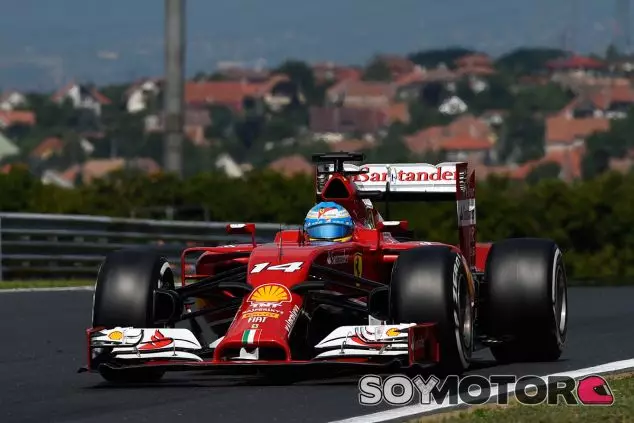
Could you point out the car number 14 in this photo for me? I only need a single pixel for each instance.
(286, 267)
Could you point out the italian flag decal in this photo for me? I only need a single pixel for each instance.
(249, 336)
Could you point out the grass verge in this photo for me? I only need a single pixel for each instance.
(45, 284)
(622, 411)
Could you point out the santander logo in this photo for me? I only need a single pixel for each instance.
(437, 174)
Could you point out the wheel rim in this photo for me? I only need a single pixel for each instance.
(466, 318)
(561, 302)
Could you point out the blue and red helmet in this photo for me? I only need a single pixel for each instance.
(329, 222)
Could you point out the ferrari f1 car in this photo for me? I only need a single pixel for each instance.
(380, 300)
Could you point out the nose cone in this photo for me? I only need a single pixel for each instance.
(262, 325)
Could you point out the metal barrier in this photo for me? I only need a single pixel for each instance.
(49, 246)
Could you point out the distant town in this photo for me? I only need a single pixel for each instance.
(527, 115)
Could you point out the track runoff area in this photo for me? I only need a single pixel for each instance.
(418, 396)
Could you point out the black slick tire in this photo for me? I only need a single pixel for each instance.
(124, 297)
(527, 309)
(430, 285)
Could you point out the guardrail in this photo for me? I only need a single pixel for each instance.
(49, 246)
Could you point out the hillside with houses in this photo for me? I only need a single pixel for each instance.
(527, 115)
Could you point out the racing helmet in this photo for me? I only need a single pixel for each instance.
(328, 222)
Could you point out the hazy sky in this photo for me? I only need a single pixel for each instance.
(44, 43)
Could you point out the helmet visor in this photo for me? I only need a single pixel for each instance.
(329, 231)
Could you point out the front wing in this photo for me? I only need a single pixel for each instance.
(397, 346)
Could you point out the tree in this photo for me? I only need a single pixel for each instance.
(548, 170)
(612, 53)
(527, 60)
(544, 98)
(302, 75)
(432, 58)
(222, 121)
(594, 163)
(50, 115)
(377, 70)
(497, 95)
(522, 137)
(589, 220)
(423, 116)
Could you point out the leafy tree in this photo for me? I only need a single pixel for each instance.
(527, 60)
(612, 53)
(544, 99)
(377, 70)
(222, 121)
(595, 162)
(302, 75)
(589, 219)
(423, 116)
(548, 170)
(50, 115)
(522, 137)
(116, 93)
(432, 58)
(497, 95)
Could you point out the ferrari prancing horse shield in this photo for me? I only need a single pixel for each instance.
(358, 264)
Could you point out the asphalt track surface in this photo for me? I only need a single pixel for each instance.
(42, 346)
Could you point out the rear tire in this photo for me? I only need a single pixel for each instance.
(124, 296)
(423, 289)
(528, 304)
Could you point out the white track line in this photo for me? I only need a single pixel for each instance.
(51, 289)
(413, 411)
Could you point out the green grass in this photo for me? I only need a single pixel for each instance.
(45, 283)
(622, 411)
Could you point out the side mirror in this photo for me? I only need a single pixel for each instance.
(242, 229)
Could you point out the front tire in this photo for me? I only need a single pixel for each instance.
(430, 285)
(124, 297)
(528, 302)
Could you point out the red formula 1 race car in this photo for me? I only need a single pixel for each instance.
(376, 299)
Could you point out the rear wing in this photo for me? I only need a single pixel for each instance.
(404, 182)
(449, 181)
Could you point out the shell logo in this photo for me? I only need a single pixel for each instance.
(116, 335)
(270, 293)
(393, 332)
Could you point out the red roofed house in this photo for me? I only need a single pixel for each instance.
(360, 94)
(9, 118)
(474, 62)
(47, 148)
(276, 92)
(347, 120)
(397, 65)
(97, 169)
(329, 72)
(564, 133)
(575, 65)
(292, 165)
(610, 102)
(10, 100)
(351, 146)
(233, 71)
(82, 97)
(409, 87)
(194, 125)
(466, 138)
(467, 148)
(475, 67)
(140, 92)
